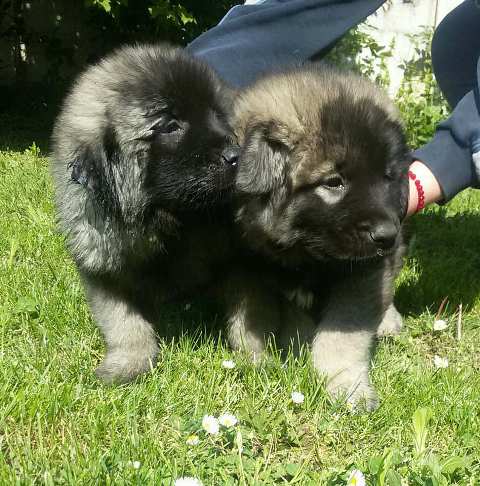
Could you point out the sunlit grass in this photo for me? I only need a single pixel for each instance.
(59, 425)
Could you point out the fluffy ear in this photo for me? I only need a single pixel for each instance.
(94, 166)
(263, 161)
(84, 167)
(92, 161)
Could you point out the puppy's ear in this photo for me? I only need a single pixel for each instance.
(84, 167)
(91, 161)
(263, 161)
(96, 166)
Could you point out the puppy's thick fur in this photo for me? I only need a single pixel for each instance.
(142, 162)
(322, 186)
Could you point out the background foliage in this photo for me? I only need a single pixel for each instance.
(419, 98)
(177, 21)
(45, 43)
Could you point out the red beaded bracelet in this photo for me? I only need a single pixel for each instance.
(421, 194)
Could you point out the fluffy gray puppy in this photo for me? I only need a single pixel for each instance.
(143, 162)
(322, 190)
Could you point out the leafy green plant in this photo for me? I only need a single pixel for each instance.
(179, 21)
(360, 52)
(437, 472)
(421, 419)
(419, 98)
(33, 150)
(382, 468)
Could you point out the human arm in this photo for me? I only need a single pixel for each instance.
(255, 39)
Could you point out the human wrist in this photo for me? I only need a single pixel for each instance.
(427, 185)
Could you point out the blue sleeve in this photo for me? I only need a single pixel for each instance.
(253, 39)
(453, 155)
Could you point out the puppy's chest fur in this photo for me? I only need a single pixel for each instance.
(187, 262)
(308, 291)
(309, 288)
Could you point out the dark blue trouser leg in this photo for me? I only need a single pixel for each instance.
(455, 51)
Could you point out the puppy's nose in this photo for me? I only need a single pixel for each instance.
(230, 155)
(384, 234)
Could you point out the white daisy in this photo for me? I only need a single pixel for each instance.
(136, 464)
(188, 481)
(356, 478)
(228, 364)
(439, 325)
(192, 440)
(440, 362)
(298, 398)
(227, 420)
(210, 424)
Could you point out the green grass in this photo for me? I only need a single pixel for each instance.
(59, 425)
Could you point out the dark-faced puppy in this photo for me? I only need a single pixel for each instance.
(322, 190)
(143, 161)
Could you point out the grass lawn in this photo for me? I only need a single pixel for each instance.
(59, 425)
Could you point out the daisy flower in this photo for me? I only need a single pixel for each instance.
(210, 424)
(356, 478)
(192, 440)
(227, 420)
(298, 398)
(188, 481)
(439, 325)
(136, 464)
(228, 364)
(440, 362)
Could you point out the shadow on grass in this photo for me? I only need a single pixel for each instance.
(195, 318)
(443, 261)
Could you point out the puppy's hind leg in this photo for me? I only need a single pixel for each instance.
(392, 323)
(253, 314)
(130, 339)
(297, 328)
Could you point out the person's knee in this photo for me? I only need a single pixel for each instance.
(455, 47)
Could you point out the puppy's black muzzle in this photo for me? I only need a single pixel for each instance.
(384, 235)
(380, 235)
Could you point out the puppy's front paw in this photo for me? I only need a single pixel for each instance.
(358, 394)
(124, 366)
(391, 324)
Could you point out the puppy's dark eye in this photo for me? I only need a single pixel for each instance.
(277, 145)
(169, 127)
(334, 182)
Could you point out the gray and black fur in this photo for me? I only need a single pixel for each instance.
(143, 163)
(322, 191)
